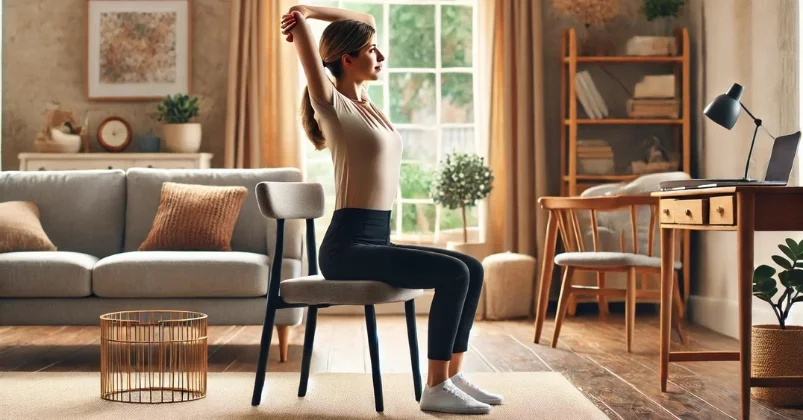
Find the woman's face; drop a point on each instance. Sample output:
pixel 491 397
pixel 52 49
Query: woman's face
pixel 368 64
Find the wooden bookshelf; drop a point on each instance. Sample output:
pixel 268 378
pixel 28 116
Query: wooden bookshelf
pixel 572 182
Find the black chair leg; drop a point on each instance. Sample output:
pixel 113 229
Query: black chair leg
pixel 309 337
pixel 373 347
pixel 412 338
pixel 264 349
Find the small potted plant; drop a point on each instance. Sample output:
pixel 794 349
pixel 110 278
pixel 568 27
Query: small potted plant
pixel 461 181
pixel 665 11
pixel 180 135
pixel 776 348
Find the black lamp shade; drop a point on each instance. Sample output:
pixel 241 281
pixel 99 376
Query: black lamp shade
pixel 724 109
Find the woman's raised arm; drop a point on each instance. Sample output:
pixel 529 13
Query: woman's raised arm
pixel 331 14
pixel 295 27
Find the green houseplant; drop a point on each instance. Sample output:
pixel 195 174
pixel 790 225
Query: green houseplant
pixel 776 348
pixel 180 134
pixel 663 9
pixel 461 180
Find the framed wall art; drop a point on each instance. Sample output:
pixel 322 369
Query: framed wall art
pixel 138 49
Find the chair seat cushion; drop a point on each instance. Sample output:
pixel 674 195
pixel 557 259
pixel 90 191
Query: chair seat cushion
pixel 46 274
pixel 609 259
pixel 315 290
pixel 185 274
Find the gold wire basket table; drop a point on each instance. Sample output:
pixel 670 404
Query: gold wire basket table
pixel 153 357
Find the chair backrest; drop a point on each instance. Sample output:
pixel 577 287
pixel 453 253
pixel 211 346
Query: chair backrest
pixel 574 236
pixel 290 200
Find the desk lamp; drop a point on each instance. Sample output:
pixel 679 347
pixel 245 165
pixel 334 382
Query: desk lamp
pixel 724 110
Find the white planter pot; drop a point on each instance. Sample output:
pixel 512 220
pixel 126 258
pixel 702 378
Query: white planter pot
pixel 182 138
pixel 478 250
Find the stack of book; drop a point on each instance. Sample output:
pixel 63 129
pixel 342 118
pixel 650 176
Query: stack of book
pixel 654 97
pixel 595 157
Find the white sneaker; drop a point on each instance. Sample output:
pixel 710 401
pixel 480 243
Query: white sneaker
pixel 474 391
pixel 447 398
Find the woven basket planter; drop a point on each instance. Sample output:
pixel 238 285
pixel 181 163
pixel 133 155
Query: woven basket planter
pixel 776 352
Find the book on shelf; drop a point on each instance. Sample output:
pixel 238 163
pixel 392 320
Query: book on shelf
pixel 589 96
pixel 653 108
pixel 655 86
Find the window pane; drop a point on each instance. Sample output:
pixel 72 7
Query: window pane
pixel 418 218
pixel 412 98
pixel 393 213
pixel 419 145
pixel 377 94
pixel 456 36
pixel 453 219
pixel 322 171
pixel 458 140
pixel 375 10
pixel 412 36
pixel 457 100
pixel 415 181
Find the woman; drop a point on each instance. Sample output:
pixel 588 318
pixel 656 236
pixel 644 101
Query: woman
pixel 366 152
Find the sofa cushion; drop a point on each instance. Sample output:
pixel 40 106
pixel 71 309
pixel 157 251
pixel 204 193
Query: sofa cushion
pixel 40 274
pixel 195 218
pixel 20 228
pixel 185 274
pixel 252 230
pixel 81 211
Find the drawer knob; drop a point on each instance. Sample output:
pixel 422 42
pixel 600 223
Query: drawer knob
pixel 688 212
pixel 110 167
pixel 666 212
pixel 720 210
pixel 42 168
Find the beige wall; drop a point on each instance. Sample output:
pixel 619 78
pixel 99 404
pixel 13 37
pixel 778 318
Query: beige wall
pixel 754 43
pixel 43 61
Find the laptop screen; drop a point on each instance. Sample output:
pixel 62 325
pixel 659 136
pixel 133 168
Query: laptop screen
pixel 783 157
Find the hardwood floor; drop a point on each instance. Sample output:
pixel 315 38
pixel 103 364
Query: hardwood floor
pixel 591 354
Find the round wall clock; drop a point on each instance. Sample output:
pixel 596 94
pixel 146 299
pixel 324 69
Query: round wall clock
pixel 114 134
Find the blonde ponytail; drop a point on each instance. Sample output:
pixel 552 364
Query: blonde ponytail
pixel 308 121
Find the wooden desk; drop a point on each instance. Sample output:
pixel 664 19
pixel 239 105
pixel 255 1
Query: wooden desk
pixel 744 210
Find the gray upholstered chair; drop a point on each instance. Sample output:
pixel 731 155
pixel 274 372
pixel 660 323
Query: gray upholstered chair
pixel 305 200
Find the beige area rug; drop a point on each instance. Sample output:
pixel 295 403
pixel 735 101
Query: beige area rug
pixel 528 395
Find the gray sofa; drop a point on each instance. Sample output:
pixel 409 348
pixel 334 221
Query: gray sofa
pixel 98 219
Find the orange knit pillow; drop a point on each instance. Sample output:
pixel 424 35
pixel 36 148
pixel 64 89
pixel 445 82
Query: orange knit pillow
pixel 20 228
pixel 195 218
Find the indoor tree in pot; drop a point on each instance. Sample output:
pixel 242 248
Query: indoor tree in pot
pixel 461 181
pixel 776 349
pixel 180 135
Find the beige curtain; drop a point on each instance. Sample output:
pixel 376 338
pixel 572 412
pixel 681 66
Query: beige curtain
pixel 516 146
pixel 261 123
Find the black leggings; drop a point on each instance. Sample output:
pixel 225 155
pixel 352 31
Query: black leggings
pixel 357 247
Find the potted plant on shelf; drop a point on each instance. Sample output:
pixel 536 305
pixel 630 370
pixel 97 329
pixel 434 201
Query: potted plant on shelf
pixel 180 135
pixel 461 181
pixel 665 11
pixel 776 348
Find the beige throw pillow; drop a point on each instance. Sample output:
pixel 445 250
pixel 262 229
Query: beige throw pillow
pixel 195 218
pixel 20 228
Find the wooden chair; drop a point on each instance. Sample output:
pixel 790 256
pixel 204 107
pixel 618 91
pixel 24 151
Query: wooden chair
pixel 305 200
pixel 633 261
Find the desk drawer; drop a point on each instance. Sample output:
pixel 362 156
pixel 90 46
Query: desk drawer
pixel 667 208
pixel 691 212
pixel 721 210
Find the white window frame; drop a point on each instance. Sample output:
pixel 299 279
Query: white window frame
pixel 398 235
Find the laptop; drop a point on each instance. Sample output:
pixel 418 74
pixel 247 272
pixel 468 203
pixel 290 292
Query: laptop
pixel 779 169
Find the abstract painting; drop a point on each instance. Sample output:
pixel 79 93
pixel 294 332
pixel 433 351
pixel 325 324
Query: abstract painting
pixel 137 50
